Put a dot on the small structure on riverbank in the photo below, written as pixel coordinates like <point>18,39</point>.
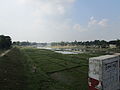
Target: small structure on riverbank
<point>104,72</point>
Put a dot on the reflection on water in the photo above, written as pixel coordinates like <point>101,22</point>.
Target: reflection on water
<point>62,51</point>
<point>66,52</point>
<point>44,48</point>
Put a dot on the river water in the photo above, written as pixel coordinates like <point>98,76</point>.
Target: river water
<point>57,50</point>
<point>66,52</point>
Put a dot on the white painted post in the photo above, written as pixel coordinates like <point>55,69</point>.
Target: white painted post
<point>104,72</point>
<point>119,67</point>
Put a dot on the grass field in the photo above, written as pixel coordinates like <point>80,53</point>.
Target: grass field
<point>59,71</point>
<point>54,71</point>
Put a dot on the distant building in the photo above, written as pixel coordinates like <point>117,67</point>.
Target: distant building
<point>112,46</point>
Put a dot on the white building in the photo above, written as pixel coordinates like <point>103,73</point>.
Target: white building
<point>112,46</point>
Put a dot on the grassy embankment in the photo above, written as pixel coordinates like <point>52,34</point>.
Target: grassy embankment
<point>13,71</point>
<point>54,71</point>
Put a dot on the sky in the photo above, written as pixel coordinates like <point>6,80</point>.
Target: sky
<point>60,20</point>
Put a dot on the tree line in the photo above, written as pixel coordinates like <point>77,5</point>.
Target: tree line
<point>27,43</point>
<point>5,42</point>
<point>95,43</point>
<point>98,43</point>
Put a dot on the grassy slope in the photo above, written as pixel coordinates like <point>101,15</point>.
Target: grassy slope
<point>13,71</point>
<point>66,77</point>
<point>54,71</point>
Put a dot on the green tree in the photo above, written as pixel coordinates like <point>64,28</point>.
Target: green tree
<point>5,42</point>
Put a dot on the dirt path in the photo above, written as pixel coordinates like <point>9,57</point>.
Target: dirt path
<point>1,55</point>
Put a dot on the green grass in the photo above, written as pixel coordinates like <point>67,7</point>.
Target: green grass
<point>59,69</point>
<point>13,71</point>
<point>54,71</point>
<point>1,51</point>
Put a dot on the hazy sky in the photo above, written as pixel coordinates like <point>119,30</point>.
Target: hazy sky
<point>60,20</point>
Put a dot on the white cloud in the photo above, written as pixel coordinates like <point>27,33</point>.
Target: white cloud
<point>71,1</point>
<point>97,23</point>
<point>103,22</point>
<point>48,7</point>
<point>93,24</point>
<point>78,27</point>
<point>61,9</point>
<point>51,8</point>
<point>49,14</point>
<point>24,1</point>
<point>21,1</point>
